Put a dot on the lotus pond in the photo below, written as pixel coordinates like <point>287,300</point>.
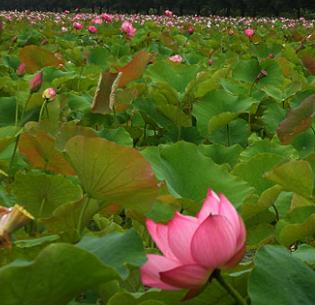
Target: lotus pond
<point>119,135</point>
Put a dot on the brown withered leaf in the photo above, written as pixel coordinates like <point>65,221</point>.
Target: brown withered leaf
<point>309,63</point>
<point>101,98</point>
<point>132,71</point>
<point>40,151</point>
<point>297,120</point>
<point>135,68</point>
<point>36,58</point>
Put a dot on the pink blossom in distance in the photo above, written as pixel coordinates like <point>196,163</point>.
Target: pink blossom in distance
<point>168,13</point>
<point>128,29</point>
<point>193,247</point>
<point>191,30</point>
<point>77,25</point>
<point>97,20</point>
<point>176,58</point>
<point>92,29</point>
<point>107,17</point>
<point>249,32</point>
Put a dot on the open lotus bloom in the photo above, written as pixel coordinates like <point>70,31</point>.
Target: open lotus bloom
<point>193,247</point>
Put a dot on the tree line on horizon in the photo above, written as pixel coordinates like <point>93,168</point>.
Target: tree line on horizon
<point>289,8</point>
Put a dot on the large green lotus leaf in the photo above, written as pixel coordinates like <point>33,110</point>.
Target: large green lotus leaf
<point>297,120</point>
<point>35,58</point>
<point>265,201</point>
<point>175,114</point>
<point>221,154</point>
<point>117,249</point>
<point>41,194</point>
<point>59,273</point>
<point>254,169</point>
<point>8,135</point>
<point>112,173</point>
<point>294,176</point>
<point>215,103</point>
<point>280,279</point>
<point>267,146</point>
<point>306,253</point>
<point>234,87</point>
<point>52,74</point>
<point>69,130</point>
<point>213,294</point>
<point>274,74</point>
<point>236,132</point>
<point>208,81</point>
<point>304,143</point>
<point>40,151</point>
<point>163,93</point>
<point>221,119</point>
<point>98,56</point>
<point>259,235</point>
<point>118,135</point>
<point>189,173</point>
<point>7,111</point>
<point>152,115</point>
<point>288,233</point>
<point>176,75</point>
<point>69,219</point>
<point>246,70</point>
<point>272,117</point>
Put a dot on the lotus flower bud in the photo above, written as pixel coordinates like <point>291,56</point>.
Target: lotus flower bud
<point>49,94</point>
<point>249,32</point>
<point>191,30</point>
<point>21,69</point>
<point>36,82</point>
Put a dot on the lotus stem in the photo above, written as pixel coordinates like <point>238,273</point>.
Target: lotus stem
<point>229,288</point>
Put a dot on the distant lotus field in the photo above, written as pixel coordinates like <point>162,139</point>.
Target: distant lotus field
<point>156,160</point>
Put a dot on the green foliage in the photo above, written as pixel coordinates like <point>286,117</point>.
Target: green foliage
<point>132,135</point>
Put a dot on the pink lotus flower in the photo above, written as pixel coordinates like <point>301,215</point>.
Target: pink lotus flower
<point>176,58</point>
<point>97,20</point>
<point>249,32</point>
<point>193,247</point>
<point>49,94</point>
<point>168,13</point>
<point>191,30</point>
<point>21,69</point>
<point>77,25</point>
<point>36,82</point>
<point>92,29</point>
<point>128,29</point>
<point>107,17</point>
